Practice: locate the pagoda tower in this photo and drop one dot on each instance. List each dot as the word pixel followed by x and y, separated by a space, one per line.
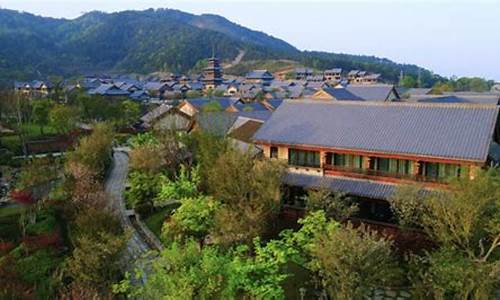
pixel 212 74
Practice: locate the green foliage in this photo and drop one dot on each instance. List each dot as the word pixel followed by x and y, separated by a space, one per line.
pixel 338 206
pixel 39 266
pixel 185 185
pixel 63 118
pixel 464 222
pixel 409 82
pixel 186 271
pixel 193 94
pixel 473 84
pixel 38 171
pixel 94 151
pixel 41 110
pixel 350 262
pixel 212 106
pixel 193 219
pixel 144 188
pixel 130 112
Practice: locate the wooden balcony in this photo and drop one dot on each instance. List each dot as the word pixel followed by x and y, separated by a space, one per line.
pixel 379 175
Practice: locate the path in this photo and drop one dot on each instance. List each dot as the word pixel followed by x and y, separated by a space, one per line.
pixel 137 254
pixel 236 60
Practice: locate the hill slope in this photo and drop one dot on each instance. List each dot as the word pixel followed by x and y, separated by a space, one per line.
pixel 148 41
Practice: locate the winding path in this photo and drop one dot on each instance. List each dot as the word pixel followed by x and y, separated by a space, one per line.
pixel 115 186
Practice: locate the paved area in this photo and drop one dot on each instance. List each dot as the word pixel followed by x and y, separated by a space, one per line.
pixel 115 186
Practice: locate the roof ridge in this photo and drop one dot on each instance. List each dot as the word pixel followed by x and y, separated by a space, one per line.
pixel 395 103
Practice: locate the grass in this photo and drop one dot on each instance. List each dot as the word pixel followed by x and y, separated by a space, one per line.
pixel 155 221
pixel 32 131
pixel 9 223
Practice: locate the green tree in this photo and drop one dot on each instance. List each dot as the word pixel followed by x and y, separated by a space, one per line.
pixel 352 261
pixel 41 110
pixel 464 222
pixel 185 185
pixel 63 118
pixel 193 219
pixel 94 151
pixel 409 82
pixel 144 188
pixel 130 112
pixel 249 190
pixel 338 206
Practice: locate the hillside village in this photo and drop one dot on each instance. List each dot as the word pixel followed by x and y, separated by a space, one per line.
pixel 283 184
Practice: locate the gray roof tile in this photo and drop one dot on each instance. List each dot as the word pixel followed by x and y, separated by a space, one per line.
pixel 461 132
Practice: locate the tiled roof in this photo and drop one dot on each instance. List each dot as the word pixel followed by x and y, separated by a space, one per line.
pixel 473 99
pixel 155 113
pixel 353 187
pixel 432 130
pixel 341 94
pixel 259 74
pixel 371 92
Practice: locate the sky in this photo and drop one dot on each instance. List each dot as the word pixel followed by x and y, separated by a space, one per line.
pixel 460 38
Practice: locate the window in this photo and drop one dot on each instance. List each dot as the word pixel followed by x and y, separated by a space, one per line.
pixel 274 152
pixel 439 170
pixel 303 158
pixel 390 165
pixel 345 160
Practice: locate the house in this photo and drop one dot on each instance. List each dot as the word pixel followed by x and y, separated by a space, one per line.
pixel 367 149
pixel 166 117
pixel 263 77
pixel 374 92
pixel 191 107
pixel 34 88
pixel 221 122
pixel 337 94
pixel 333 74
pixel 140 95
pixel 109 90
pixel 157 88
pixel 303 73
pixel 484 99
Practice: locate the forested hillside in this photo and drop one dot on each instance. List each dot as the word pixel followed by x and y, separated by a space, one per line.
pixel 149 41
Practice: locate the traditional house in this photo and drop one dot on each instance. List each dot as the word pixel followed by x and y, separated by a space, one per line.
pixel 333 74
pixel 166 117
pixel 34 88
pixel 109 90
pixel 374 92
pixel 337 94
pixel 367 149
pixel 259 77
pixel 303 73
pixel 157 88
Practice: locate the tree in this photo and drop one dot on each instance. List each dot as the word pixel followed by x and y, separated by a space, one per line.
pixel 193 219
pixel 338 206
pixel 350 262
pixel 95 151
pixel 185 185
pixel 63 118
pixel 147 159
pixel 464 222
pixel 409 82
pixel 41 110
pixel 144 188
pixel 249 190
pixel 130 111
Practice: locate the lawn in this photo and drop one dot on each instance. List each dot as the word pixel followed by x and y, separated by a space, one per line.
pixel 32 131
pixel 155 221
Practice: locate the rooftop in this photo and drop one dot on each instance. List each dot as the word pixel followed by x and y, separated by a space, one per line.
pixel 447 131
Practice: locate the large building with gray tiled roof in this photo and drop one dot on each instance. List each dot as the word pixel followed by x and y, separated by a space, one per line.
pixel 366 149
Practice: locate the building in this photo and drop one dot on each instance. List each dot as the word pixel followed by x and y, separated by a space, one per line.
pixel 35 88
pixel 366 149
pixel 303 73
pixel 263 77
pixel 333 74
pixel 212 74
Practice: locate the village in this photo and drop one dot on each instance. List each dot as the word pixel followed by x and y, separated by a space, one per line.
pixel 349 134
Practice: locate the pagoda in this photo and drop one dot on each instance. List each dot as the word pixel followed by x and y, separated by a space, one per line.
pixel 212 74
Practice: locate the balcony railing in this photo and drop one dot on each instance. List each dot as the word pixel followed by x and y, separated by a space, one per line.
pixel 378 173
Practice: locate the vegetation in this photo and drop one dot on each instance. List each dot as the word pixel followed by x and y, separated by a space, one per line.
pixel 463 221
pixel 157 40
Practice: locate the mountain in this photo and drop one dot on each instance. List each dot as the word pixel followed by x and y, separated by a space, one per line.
pixel 149 41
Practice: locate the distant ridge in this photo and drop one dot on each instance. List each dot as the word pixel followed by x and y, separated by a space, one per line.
pixel 152 40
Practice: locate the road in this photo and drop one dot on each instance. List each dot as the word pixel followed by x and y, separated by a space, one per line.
pixel 115 186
